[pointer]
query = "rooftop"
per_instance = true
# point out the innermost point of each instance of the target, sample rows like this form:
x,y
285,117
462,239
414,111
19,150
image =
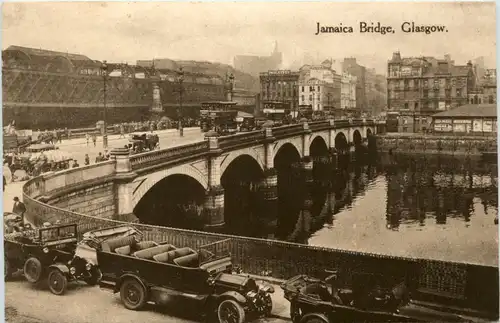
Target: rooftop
x,y
47,53
470,110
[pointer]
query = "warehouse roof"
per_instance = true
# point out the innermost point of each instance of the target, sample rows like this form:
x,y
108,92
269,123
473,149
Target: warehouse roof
x,y
470,110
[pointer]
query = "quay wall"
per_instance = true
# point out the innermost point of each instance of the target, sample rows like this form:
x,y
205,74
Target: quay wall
x,y
437,144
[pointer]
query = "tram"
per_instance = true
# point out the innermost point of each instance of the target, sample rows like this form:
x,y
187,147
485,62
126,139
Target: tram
x,y
277,112
219,116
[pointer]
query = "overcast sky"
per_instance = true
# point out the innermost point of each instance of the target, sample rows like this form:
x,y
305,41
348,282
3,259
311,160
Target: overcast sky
x,y
122,32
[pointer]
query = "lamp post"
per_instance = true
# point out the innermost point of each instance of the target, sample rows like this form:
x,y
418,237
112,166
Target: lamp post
x,y
180,74
231,86
104,69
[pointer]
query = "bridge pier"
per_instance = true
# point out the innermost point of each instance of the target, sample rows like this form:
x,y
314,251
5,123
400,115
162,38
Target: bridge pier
x,y
269,193
123,180
307,173
213,211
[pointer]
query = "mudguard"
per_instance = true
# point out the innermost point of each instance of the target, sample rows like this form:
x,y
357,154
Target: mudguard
x,y
122,278
318,316
62,268
232,295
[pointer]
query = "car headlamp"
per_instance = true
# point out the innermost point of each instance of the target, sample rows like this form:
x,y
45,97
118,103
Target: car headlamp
x,y
88,266
72,270
46,250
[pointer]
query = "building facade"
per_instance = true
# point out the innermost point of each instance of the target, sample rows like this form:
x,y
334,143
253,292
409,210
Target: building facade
x,y
320,87
351,66
280,85
254,65
418,87
348,91
469,119
486,90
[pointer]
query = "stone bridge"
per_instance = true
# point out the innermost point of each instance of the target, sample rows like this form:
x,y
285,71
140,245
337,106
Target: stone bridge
x,y
205,170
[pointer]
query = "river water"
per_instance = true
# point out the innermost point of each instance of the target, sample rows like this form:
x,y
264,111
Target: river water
x,y
425,207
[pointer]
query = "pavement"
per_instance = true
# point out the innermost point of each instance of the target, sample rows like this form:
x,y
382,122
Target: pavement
x,y
77,148
81,304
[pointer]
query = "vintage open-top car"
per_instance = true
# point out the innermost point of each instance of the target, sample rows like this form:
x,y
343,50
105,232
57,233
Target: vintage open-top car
x,y
321,301
147,271
36,251
144,141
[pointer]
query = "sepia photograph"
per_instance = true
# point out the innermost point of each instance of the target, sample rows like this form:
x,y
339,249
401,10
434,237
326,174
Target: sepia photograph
x,y
267,162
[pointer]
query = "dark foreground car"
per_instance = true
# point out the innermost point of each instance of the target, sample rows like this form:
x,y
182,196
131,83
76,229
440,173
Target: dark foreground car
x,y
161,273
316,301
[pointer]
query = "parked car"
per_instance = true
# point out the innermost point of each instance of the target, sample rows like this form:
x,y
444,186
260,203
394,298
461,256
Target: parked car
x,y
321,301
204,277
41,253
84,264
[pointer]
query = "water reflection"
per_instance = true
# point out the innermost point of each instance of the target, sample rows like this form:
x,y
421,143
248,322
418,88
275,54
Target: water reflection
x,y
394,194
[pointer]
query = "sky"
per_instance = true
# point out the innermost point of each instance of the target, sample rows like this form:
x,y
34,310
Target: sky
x,y
126,32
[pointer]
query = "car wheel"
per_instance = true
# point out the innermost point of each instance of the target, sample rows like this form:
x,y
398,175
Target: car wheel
x,y
230,311
33,270
133,294
94,278
268,305
57,282
314,319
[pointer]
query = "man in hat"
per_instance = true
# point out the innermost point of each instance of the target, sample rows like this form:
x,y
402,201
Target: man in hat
x,y
19,208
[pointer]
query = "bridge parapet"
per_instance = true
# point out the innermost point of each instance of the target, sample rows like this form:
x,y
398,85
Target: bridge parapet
x,y
148,159
241,139
288,130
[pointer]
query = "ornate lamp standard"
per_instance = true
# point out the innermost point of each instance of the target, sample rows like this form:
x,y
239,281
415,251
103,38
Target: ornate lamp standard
x,y
231,86
104,69
180,78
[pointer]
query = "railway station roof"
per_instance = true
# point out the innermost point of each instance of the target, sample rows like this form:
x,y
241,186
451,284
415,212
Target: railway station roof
x,y
470,111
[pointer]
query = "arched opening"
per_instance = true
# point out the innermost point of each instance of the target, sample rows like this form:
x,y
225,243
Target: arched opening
x,y
290,189
175,201
342,147
357,138
321,174
242,205
368,132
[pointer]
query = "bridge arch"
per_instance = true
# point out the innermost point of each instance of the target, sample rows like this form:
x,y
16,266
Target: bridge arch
x,y
315,136
153,179
368,132
357,138
174,201
341,141
295,142
240,180
318,147
250,152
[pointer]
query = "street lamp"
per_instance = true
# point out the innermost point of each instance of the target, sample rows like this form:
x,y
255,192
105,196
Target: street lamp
x,y
231,85
180,78
104,69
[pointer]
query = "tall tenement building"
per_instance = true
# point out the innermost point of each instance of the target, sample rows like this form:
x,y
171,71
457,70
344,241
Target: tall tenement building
x,y
418,87
320,87
280,85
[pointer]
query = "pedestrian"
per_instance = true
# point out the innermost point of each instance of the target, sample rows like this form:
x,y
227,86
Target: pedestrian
x,y
122,131
99,158
19,208
94,138
87,137
87,160
4,183
75,164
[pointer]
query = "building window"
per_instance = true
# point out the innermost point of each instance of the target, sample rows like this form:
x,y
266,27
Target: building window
x,y
302,89
459,93
303,98
319,88
490,99
406,105
311,88
416,106
310,97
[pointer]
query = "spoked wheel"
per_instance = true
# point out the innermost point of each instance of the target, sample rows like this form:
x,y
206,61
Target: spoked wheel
x,y
268,305
133,294
230,312
57,282
33,270
94,277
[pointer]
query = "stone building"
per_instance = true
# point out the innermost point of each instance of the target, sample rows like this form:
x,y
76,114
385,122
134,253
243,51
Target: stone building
x,y
320,87
418,87
254,65
280,85
486,90
348,91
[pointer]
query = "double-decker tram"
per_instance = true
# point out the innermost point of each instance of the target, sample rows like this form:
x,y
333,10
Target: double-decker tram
x,y
218,116
277,112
